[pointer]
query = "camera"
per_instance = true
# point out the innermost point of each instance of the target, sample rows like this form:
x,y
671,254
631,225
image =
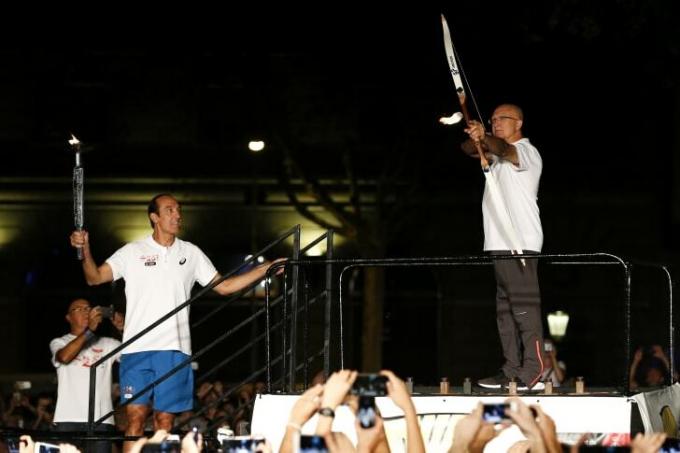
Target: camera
x,y
670,445
312,444
369,384
366,413
43,447
242,444
169,445
497,413
12,445
107,312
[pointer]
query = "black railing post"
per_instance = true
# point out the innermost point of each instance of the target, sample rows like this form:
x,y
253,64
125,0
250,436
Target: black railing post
x,y
671,326
305,330
267,339
327,307
627,344
90,402
293,312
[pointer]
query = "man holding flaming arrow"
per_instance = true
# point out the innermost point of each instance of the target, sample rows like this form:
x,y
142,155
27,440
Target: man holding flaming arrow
x,y
512,226
516,166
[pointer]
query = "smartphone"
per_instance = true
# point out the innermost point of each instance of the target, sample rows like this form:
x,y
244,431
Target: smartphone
x,y
366,413
167,446
42,447
496,413
670,446
370,384
547,346
312,444
107,312
241,444
12,445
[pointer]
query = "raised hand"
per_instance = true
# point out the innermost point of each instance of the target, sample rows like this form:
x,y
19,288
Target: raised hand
x,y
94,318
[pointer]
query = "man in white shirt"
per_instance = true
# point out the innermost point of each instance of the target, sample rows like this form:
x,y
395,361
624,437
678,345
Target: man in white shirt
x,y
72,356
159,272
516,166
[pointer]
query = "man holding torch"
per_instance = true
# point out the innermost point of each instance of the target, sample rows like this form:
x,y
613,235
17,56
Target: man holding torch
x,y
159,271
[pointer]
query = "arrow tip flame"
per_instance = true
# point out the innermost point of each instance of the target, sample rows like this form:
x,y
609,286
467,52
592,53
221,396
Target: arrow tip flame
x,y
453,119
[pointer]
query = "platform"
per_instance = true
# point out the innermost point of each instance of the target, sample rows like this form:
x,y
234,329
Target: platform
x,y
605,415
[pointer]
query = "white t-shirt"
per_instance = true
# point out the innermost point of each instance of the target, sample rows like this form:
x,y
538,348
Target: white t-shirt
x,y
74,380
158,279
518,185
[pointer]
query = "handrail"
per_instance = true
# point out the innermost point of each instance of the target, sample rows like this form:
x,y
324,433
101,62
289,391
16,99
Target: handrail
x,y
290,366
671,322
599,258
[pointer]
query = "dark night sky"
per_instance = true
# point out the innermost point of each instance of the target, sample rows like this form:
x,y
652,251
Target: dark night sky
x,y
595,80
178,93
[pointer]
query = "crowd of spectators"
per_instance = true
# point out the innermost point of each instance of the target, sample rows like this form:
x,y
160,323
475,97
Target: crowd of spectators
x,y
472,433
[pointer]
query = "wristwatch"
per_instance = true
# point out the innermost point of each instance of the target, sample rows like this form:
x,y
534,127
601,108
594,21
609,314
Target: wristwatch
x,y
326,412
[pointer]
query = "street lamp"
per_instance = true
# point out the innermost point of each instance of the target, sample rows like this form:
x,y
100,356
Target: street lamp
x,y
256,145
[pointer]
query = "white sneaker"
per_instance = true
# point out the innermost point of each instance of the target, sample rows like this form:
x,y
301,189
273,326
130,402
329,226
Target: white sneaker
x,y
538,386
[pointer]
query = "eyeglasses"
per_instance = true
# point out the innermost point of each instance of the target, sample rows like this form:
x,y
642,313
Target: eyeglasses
x,y
83,309
496,119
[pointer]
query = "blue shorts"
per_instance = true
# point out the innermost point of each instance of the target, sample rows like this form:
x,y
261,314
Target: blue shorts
x,y
139,369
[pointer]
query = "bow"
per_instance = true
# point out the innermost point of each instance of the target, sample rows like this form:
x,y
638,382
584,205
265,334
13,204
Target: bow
x,y
496,195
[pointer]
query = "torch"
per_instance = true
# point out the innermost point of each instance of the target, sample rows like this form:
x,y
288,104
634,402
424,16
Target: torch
x,y
77,189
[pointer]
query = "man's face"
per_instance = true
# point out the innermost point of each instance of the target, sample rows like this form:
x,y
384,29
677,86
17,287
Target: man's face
x,y
78,315
505,123
169,217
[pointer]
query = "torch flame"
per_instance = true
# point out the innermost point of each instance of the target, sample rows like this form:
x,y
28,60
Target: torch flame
x,y
74,141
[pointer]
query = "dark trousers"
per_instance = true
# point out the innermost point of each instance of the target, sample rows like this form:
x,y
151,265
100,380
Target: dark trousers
x,y
100,446
518,315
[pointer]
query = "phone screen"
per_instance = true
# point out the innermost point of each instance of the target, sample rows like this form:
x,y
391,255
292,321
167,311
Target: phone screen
x,y
670,446
496,413
41,447
366,413
370,384
241,444
312,444
164,447
12,445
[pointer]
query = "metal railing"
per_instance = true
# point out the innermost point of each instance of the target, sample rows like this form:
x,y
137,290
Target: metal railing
x,y
292,294
579,259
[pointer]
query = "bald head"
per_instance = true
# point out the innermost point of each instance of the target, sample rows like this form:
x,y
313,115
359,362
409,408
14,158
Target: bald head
x,y
514,109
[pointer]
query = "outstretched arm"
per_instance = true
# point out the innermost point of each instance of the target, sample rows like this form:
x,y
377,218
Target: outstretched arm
x,y
637,357
303,409
396,389
238,282
489,144
94,275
